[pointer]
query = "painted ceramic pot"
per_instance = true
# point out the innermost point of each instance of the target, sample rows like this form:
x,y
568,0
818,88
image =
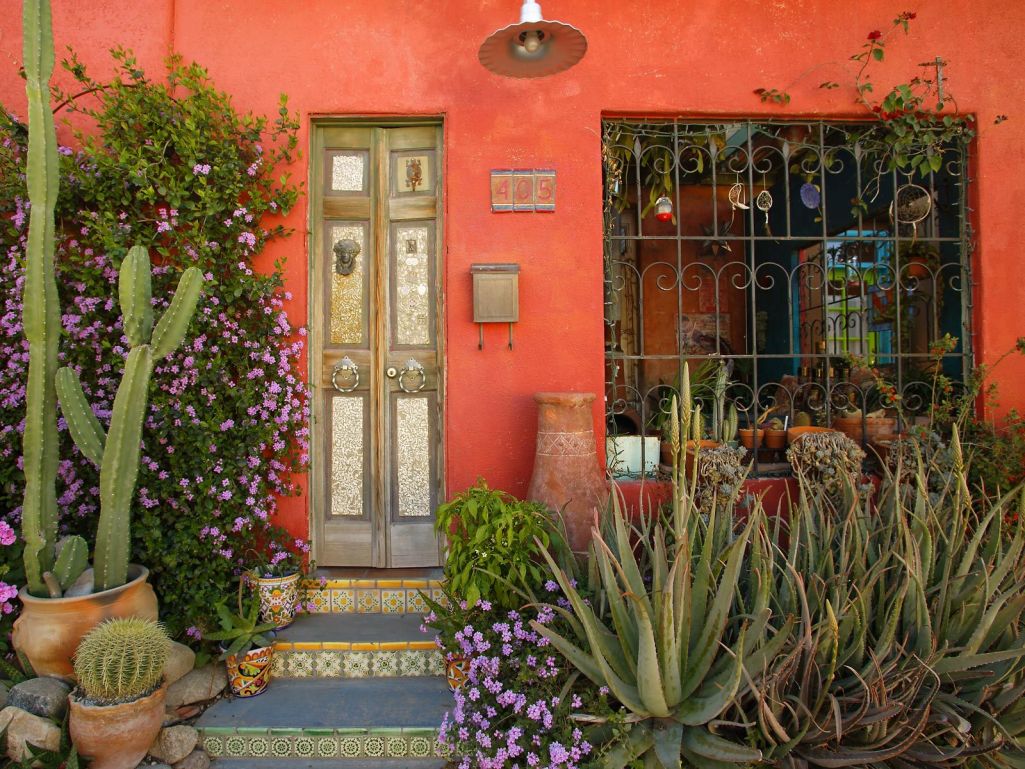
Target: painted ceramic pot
x,y
457,670
278,598
250,674
116,736
50,629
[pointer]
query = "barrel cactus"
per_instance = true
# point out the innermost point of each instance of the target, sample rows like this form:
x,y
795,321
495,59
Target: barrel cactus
x,y
121,660
117,450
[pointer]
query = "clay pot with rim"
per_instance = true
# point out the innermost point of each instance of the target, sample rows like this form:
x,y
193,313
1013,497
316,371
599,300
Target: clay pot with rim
x,y
775,439
748,437
278,598
694,449
249,675
49,629
795,433
116,736
567,477
876,429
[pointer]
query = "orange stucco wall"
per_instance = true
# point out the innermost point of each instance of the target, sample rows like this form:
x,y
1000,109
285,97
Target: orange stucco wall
x,y
398,57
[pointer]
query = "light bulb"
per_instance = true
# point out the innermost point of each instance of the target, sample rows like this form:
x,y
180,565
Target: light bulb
x,y
532,41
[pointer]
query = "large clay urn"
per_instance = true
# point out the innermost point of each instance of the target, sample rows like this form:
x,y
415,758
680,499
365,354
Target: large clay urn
x,y
567,476
116,736
49,629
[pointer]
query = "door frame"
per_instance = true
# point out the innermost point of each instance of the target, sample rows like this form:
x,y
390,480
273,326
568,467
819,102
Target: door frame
x,y
318,467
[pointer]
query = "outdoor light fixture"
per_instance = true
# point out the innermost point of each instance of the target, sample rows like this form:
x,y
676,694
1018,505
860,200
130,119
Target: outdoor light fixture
x,y
533,48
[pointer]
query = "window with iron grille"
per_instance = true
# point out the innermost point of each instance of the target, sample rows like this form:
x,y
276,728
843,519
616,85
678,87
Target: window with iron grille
x,y
832,284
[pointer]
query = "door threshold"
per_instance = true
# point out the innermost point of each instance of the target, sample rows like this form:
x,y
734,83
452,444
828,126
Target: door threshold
x,y
365,572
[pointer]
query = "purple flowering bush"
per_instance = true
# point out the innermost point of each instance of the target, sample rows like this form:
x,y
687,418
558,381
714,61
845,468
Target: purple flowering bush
x,y
521,706
170,165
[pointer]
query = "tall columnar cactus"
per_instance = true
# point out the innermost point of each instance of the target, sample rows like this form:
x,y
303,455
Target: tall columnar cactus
x,y
117,451
41,310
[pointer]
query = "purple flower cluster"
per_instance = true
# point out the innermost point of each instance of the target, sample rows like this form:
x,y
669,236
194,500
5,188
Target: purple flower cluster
x,y
510,713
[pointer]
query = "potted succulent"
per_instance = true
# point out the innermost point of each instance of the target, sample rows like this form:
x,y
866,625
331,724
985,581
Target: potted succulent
x,y
63,599
828,459
117,709
277,575
874,427
754,437
247,646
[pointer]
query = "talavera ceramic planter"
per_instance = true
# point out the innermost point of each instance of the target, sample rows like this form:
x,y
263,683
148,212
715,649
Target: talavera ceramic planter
x,y
278,598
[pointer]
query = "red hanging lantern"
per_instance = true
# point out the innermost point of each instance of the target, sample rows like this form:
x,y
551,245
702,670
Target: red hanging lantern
x,y
664,209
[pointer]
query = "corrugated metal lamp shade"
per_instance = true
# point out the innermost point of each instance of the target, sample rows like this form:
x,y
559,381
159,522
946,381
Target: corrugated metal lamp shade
x,y
533,48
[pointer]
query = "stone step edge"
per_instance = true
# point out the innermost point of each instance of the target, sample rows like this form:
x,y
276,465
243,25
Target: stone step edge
x,y
340,664
320,742
354,646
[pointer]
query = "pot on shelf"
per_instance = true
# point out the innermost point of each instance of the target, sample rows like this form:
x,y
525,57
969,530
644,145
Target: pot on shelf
x,y
775,439
49,629
116,736
249,674
874,430
694,449
749,436
794,433
278,598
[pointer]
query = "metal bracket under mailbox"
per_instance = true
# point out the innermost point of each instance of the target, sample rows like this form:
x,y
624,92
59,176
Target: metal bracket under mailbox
x,y
496,296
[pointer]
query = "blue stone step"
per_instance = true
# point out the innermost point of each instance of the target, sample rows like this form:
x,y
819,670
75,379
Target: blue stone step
x,y
365,719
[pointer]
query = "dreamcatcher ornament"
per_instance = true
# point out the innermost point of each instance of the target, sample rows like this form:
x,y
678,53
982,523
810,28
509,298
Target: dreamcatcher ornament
x,y
911,204
764,204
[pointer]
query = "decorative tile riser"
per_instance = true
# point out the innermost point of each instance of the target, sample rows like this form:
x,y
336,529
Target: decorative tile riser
x,y
366,596
321,743
327,663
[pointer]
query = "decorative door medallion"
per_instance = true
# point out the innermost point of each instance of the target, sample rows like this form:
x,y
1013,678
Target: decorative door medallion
x,y
376,354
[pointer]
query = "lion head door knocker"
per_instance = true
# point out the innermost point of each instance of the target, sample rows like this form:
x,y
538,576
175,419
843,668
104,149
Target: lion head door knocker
x,y
346,251
414,173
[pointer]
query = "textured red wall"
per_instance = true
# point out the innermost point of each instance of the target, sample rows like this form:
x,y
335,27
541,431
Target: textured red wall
x,y
357,57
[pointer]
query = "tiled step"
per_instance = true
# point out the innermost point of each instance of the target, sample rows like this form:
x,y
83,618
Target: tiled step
x,y
366,720
356,646
326,763
372,595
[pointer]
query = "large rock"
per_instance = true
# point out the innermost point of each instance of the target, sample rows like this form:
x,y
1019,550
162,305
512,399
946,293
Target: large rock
x,y
197,759
24,729
46,697
174,743
199,685
180,660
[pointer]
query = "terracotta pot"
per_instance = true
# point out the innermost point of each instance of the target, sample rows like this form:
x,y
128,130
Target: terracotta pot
x,y
566,475
775,439
917,267
875,428
748,435
250,675
457,670
278,598
794,433
50,629
694,449
116,736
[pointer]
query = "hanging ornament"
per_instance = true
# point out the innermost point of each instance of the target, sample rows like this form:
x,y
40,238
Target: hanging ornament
x,y
737,196
764,203
664,209
713,245
912,204
811,197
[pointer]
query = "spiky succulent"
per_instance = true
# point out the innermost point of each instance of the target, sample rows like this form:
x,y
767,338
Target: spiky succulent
x,y
830,460
121,660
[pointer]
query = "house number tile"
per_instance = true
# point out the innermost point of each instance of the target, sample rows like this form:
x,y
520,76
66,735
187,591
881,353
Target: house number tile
x,y
523,190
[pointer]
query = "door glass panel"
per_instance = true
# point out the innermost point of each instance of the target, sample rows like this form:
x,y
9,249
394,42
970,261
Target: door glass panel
x,y
348,456
347,172
348,281
411,318
413,456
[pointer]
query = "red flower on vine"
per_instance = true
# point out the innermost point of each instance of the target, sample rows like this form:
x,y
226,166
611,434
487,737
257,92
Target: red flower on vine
x,y
908,15
874,35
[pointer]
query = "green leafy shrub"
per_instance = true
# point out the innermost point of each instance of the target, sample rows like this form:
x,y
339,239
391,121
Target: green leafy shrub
x,y
495,542
171,165
999,453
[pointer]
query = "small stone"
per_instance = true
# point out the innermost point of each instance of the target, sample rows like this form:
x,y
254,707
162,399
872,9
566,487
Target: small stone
x,y
186,712
3,696
197,686
197,759
174,744
180,660
23,729
46,697
82,586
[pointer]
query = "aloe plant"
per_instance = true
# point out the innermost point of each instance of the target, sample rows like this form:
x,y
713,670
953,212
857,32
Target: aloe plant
x,y
116,451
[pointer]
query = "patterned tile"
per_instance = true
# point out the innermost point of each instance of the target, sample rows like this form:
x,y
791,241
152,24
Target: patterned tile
x,y
343,601
328,664
300,664
415,603
358,664
318,600
386,664
322,743
368,601
393,601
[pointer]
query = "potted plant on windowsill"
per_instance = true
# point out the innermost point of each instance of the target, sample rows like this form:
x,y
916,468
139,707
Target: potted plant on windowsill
x,y
63,599
247,646
277,577
118,707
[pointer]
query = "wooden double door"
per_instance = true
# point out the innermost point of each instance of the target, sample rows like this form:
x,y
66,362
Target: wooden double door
x,y
376,356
